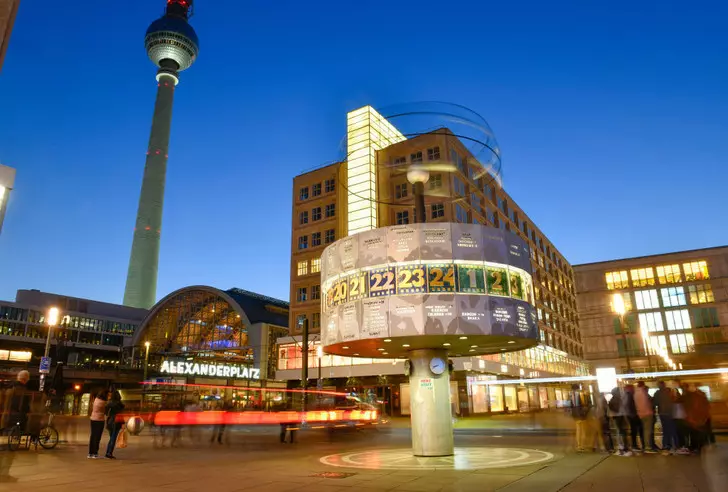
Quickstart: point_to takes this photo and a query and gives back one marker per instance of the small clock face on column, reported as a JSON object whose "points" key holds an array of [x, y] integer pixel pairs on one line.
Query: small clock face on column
{"points": [[437, 366]]}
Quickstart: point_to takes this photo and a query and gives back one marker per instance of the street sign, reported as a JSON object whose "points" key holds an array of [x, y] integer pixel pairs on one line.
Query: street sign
{"points": [[45, 365]]}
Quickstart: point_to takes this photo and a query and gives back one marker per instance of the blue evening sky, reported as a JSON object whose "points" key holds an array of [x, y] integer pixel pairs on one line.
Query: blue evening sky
{"points": [[611, 116]]}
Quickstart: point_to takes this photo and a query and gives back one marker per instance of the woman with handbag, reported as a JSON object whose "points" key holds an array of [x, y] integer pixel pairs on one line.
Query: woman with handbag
{"points": [[113, 408]]}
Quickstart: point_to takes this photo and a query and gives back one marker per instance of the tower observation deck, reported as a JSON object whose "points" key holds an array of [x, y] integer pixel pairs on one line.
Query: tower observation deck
{"points": [[172, 45]]}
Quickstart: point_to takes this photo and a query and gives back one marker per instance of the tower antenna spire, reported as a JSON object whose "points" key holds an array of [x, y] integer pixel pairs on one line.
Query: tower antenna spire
{"points": [[172, 45]]}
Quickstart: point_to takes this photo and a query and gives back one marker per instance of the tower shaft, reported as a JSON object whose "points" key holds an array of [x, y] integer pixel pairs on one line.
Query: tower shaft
{"points": [[141, 279]]}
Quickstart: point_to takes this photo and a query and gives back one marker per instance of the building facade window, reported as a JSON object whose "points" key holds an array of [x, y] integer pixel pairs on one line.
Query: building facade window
{"points": [[301, 295], [669, 274], [403, 217], [678, 319], [316, 189], [316, 265], [400, 161], [438, 210], [475, 202], [617, 280], [315, 239], [303, 218], [435, 181], [330, 236], [330, 210], [682, 343], [400, 190], [300, 319], [433, 154], [302, 268], [642, 277], [330, 185], [416, 157], [303, 193], [696, 270], [700, 294], [460, 214], [705, 317], [316, 214], [458, 186], [651, 322], [315, 292], [303, 242], [673, 297], [316, 320], [457, 160], [627, 299], [646, 299]]}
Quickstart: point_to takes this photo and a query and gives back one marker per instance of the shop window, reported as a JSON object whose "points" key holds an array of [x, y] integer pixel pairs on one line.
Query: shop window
{"points": [[678, 319], [303, 193], [642, 277], [400, 190], [316, 189], [673, 297], [696, 270], [646, 299], [315, 239], [330, 185], [705, 317], [669, 274], [302, 268], [700, 294], [316, 265]]}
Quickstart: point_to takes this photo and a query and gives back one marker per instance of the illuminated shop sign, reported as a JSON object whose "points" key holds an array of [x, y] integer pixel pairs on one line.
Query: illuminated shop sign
{"points": [[230, 371]]}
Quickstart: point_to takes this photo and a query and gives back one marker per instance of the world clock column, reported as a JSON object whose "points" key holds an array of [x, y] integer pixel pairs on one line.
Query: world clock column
{"points": [[430, 406]]}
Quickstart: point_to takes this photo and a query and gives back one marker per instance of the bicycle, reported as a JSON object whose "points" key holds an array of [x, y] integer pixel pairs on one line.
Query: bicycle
{"points": [[47, 437]]}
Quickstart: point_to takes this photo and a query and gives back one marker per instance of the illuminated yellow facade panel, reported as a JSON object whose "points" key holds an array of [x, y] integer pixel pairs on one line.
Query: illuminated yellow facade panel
{"points": [[642, 276], [669, 274], [615, 280], [696, 270]]}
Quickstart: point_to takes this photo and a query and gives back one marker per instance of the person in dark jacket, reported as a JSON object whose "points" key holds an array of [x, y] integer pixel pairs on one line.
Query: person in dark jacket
{"points": [[664, 401], [113, 407], [635, 424], [19, 399]]}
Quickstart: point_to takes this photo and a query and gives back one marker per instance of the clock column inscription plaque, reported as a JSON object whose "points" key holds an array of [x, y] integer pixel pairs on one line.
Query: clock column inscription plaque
{"points": [[430, 403]]}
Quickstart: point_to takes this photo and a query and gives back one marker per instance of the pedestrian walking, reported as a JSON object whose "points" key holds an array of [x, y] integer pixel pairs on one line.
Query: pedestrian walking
{"points": [[98, 418], [664, 401], [599, 420], [580, 412], [697, 414], [646, 413], [679, 415], [635, 424], [113, 407], [617, 414]]}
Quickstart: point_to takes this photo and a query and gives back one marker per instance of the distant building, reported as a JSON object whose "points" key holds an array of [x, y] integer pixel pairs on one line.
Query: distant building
{"points": [[7, 180], [676, 303], [8, 11]]}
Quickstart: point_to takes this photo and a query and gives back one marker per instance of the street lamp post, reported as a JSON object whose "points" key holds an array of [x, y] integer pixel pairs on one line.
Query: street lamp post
{"points": [[52, 321], [146, 359], [618, 305]]}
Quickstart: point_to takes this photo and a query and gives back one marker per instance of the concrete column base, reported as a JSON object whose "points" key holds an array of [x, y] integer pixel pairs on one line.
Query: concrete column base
{"points": [[430, 405]]}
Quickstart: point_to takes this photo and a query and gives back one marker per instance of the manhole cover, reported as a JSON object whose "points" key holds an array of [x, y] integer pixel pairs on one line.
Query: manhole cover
{"points": [[332, 475]]}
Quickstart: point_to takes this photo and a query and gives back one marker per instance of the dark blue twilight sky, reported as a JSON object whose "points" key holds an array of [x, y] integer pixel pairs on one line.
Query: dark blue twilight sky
{"points": [[612, 120]]}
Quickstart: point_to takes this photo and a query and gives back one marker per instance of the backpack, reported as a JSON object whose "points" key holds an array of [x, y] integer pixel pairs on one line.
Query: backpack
{"points": [[615, 403]]}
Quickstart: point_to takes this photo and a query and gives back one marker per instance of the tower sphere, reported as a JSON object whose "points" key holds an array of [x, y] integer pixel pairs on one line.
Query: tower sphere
{"points": [[172, 38]]}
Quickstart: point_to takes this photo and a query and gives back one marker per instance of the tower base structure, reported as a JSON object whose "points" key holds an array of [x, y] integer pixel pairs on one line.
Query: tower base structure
{"points": [[430, 407]]}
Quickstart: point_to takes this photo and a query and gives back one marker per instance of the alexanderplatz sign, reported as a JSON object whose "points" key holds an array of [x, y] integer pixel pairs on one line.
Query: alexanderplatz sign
{"points": [[230, 371]]}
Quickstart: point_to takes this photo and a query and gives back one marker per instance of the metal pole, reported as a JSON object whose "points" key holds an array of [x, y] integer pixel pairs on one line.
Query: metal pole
{"points": [[146, 361], [624, 340], [41, 385], [420, 212]]}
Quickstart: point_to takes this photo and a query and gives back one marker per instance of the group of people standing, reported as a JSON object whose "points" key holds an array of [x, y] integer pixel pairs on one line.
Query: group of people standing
{"points": [[683, 412], [104, 412]]}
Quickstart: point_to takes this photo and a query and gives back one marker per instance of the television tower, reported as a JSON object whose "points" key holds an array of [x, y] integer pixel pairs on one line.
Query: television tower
{"points": [[172, 45]]}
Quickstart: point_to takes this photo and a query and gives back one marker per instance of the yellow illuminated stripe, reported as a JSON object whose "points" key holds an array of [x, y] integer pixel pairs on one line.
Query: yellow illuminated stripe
{"points": [[367, 132], [575, 379]]}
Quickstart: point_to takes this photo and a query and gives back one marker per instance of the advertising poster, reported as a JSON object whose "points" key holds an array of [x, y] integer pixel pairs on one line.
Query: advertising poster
{"points": [[440, 314], [372, 247], [494, 244], [503, 316], [435, 241], [406, 316], [403, 243], [467, 242], [440, 277], [375, 318], [497, 280], [330, 259], [473, 315], [471, 279], [518, 252], [350, 322], [348, 253], [330, 326], [515, 282]]}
